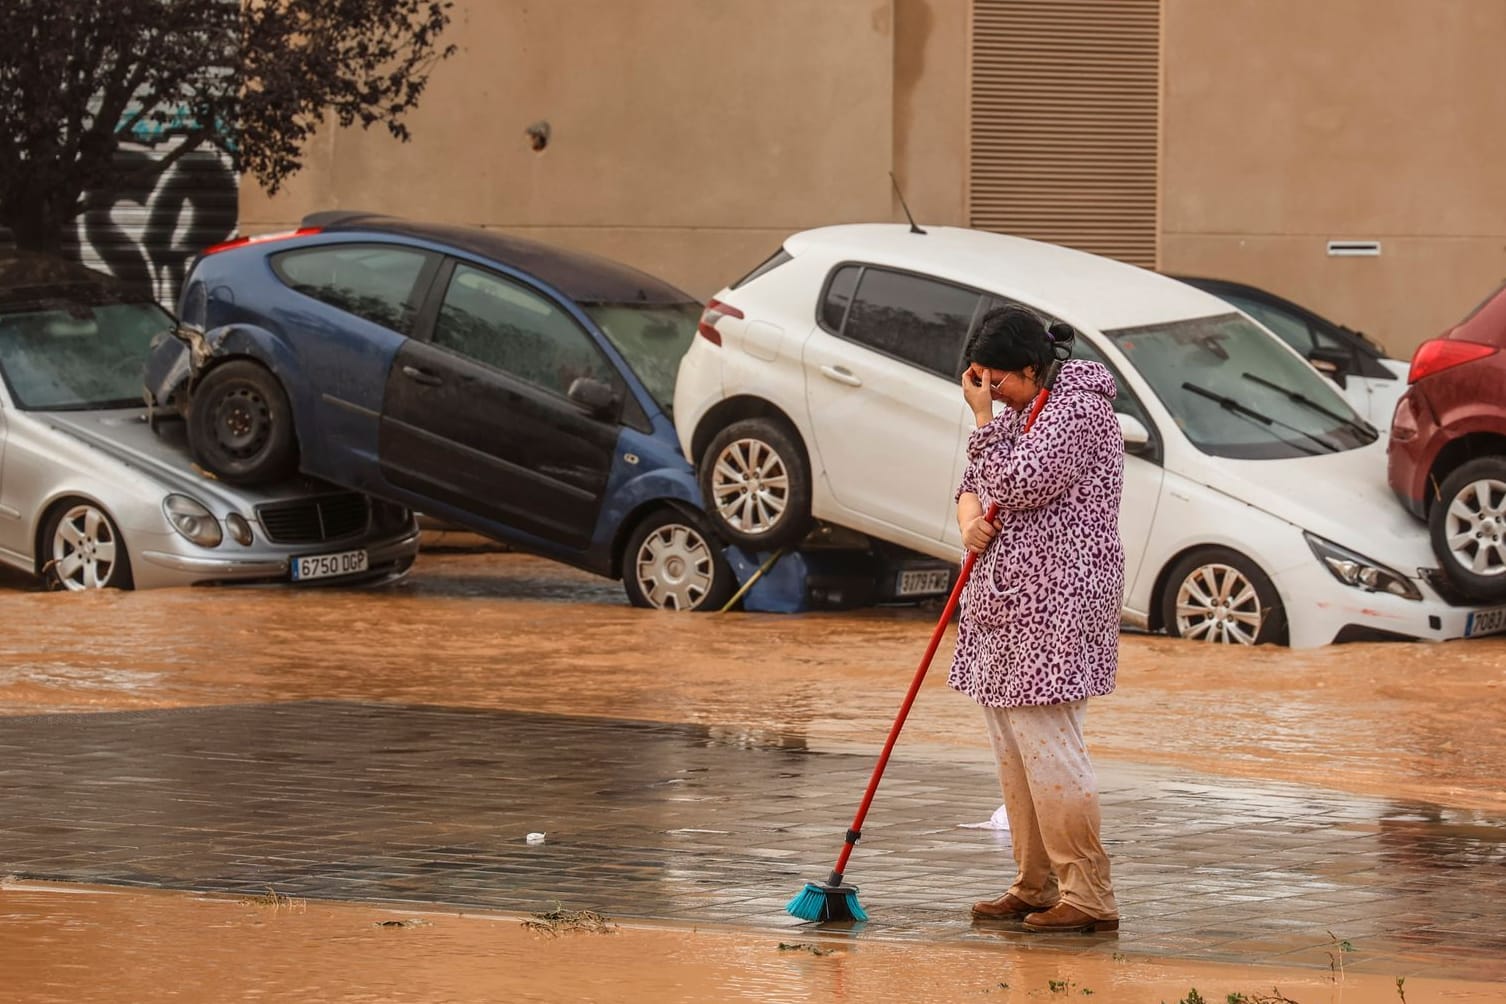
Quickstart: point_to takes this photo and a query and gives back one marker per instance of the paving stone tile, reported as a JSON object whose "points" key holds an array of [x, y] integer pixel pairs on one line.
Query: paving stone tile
{"points": [[348, 800]]}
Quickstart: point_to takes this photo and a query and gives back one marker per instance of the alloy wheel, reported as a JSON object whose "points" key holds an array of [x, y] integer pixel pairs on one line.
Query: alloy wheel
{"points": [[750, 486], [1475, 527], [675, 567], [84, 549], [1217, 603]]}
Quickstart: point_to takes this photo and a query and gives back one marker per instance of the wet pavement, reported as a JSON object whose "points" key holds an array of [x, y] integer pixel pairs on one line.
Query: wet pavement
{"points": [[707, 824]]}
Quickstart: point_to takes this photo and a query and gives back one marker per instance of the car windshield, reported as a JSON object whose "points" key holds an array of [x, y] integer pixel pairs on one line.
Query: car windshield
{"points": [[1235, 391], [77, 357], [653, 338]]}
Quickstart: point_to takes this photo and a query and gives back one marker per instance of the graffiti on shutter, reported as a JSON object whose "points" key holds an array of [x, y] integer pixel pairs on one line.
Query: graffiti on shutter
{"points": [[148, 234]]}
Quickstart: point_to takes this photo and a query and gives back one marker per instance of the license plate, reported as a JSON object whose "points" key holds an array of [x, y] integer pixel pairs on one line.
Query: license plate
{"points": [[1485, 622], [326, 566], [923, 581]]}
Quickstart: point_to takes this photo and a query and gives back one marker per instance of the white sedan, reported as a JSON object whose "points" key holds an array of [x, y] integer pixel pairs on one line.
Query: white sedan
{"points": [[824, 388]]}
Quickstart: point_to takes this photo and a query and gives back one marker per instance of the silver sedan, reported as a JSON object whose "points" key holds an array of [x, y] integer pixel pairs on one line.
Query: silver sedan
{"points": [[93, 493]]}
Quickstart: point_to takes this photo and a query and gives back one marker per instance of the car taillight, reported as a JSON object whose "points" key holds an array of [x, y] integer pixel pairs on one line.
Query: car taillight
{"points": [[715, 311], [258, 238], [1443, 353]]}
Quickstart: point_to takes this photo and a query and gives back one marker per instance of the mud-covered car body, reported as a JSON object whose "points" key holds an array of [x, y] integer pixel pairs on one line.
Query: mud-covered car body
{"points": [[92, 495]]}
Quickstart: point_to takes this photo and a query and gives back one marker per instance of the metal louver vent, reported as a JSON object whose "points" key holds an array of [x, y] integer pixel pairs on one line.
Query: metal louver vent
{"points": [[1065, 123]]}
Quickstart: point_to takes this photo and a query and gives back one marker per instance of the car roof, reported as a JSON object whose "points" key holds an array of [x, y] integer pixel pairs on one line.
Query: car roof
{"points": [[29, 279], [1085, 289], [584, 277]]}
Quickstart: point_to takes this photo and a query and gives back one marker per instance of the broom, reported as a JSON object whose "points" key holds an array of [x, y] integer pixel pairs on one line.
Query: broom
{"points": [[834, 899]]}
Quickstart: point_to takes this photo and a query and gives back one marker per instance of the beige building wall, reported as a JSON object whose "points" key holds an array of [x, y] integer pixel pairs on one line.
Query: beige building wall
{"points": [[1289, 123], [687, 137]]}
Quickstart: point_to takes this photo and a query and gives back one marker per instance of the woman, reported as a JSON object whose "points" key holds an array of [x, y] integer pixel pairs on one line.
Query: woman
{"points": [[1039, 630]]}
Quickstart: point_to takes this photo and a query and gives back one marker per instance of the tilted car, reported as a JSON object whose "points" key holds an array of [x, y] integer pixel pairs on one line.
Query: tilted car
{"points": [[1448, 450], [517, 389], [1371, 380], [824, 387], [91, 496]]}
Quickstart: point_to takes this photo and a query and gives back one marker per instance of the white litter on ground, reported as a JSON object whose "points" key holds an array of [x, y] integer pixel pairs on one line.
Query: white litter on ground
{"points": [[535, 838], [998, 821]]}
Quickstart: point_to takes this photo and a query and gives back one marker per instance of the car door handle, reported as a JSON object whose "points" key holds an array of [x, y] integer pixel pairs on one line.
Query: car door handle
{"points": [[421, 376], [841, 374]]}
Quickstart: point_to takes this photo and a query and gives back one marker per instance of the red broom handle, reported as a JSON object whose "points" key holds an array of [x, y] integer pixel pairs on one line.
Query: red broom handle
{"points": [[920, 673]]}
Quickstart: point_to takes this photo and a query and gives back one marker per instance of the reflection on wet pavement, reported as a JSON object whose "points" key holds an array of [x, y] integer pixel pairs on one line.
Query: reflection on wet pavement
{"points": [[1426, 722], [381, 802]]}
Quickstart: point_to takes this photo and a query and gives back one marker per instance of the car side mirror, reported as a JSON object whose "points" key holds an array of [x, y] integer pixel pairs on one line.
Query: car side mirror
{"points": [[1136, 435], [1332, 363], [598, 398]]}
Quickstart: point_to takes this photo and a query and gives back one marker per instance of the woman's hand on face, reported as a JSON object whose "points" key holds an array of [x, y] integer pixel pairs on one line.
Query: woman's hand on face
{"points": [[977, 535], [978, 390]]}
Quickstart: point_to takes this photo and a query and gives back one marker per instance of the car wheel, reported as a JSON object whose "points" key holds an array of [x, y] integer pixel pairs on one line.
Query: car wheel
{"points": [[1220, 596], [672, 563], [240, 425], [1468, 527], [84, 550], [757, 485]]}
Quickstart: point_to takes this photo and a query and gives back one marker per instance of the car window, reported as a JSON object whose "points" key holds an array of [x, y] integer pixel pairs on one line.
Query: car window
{"points": [[921, 321], [77, 356], [511, 328], [373, 281], [838, 296], [1294, 331], [1236, 392], [652, 337]]}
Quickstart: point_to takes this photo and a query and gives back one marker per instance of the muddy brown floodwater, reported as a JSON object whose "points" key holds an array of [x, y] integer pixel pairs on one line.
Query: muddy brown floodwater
{"points": [[1424, 721], [510, 632]]}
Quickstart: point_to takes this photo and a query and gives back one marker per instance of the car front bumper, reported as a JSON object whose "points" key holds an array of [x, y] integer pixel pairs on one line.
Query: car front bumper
{"points": [[1330, 612], [152, 567]]}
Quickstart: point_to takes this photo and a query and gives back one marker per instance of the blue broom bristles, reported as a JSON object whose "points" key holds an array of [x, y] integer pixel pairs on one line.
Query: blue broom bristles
{"points": [[820, 902]]}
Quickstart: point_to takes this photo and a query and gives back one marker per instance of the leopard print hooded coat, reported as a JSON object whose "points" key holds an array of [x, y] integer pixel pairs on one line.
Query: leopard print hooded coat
{"points": [[1040, 615]]}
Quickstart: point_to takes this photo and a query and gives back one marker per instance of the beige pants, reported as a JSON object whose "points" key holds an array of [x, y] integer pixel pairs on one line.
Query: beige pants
{"points": [[1051, 798]]}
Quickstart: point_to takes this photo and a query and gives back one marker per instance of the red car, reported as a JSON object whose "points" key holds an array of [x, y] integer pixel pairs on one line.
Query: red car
{"points": [[1447, 453]]}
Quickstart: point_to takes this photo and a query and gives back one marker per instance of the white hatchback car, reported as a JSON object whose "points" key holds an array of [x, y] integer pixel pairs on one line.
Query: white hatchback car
{"points": [[825, 388]]}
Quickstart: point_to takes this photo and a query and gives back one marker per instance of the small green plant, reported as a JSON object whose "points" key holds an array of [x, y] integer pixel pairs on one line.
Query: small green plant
{"points": [[1193, 997], [1120, 957], [802, 946], [1401, 988], [1337, 949]]}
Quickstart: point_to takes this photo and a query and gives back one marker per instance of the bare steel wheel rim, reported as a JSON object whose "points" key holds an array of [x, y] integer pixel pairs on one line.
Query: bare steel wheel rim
{"points": [[1475, 527], [750, 486], [84, 549], [242, 422], [675, 568], [1218, 603]]}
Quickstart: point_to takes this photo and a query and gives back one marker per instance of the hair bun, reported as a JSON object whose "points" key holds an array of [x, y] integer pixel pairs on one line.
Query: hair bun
{"points": [[1060, 331]]}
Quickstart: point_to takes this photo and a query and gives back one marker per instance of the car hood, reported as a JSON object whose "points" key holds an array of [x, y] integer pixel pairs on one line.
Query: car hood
{"points": [[1341, 497], [162, 455]]}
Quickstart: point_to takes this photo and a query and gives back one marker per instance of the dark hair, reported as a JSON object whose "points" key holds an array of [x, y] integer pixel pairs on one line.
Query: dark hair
{"points": [[1012, 337]]}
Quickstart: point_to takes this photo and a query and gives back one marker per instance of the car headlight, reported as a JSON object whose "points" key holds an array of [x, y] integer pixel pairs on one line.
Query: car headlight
{"points": [[240, 530], [1358, 571], [192, 520]]}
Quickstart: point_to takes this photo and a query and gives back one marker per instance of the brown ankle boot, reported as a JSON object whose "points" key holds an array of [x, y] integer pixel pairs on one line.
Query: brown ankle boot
{"points": [[1006, 907], [1062, 917]]}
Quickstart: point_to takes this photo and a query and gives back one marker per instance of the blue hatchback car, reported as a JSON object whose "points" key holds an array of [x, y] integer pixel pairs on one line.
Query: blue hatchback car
{"points": [[514, 388]]}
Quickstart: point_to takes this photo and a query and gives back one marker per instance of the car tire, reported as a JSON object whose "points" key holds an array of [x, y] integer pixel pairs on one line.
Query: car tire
{"points": [[240, 425], [1192, 600], [82, 549], [757, 486], [1467, 524], [672, 562]]}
